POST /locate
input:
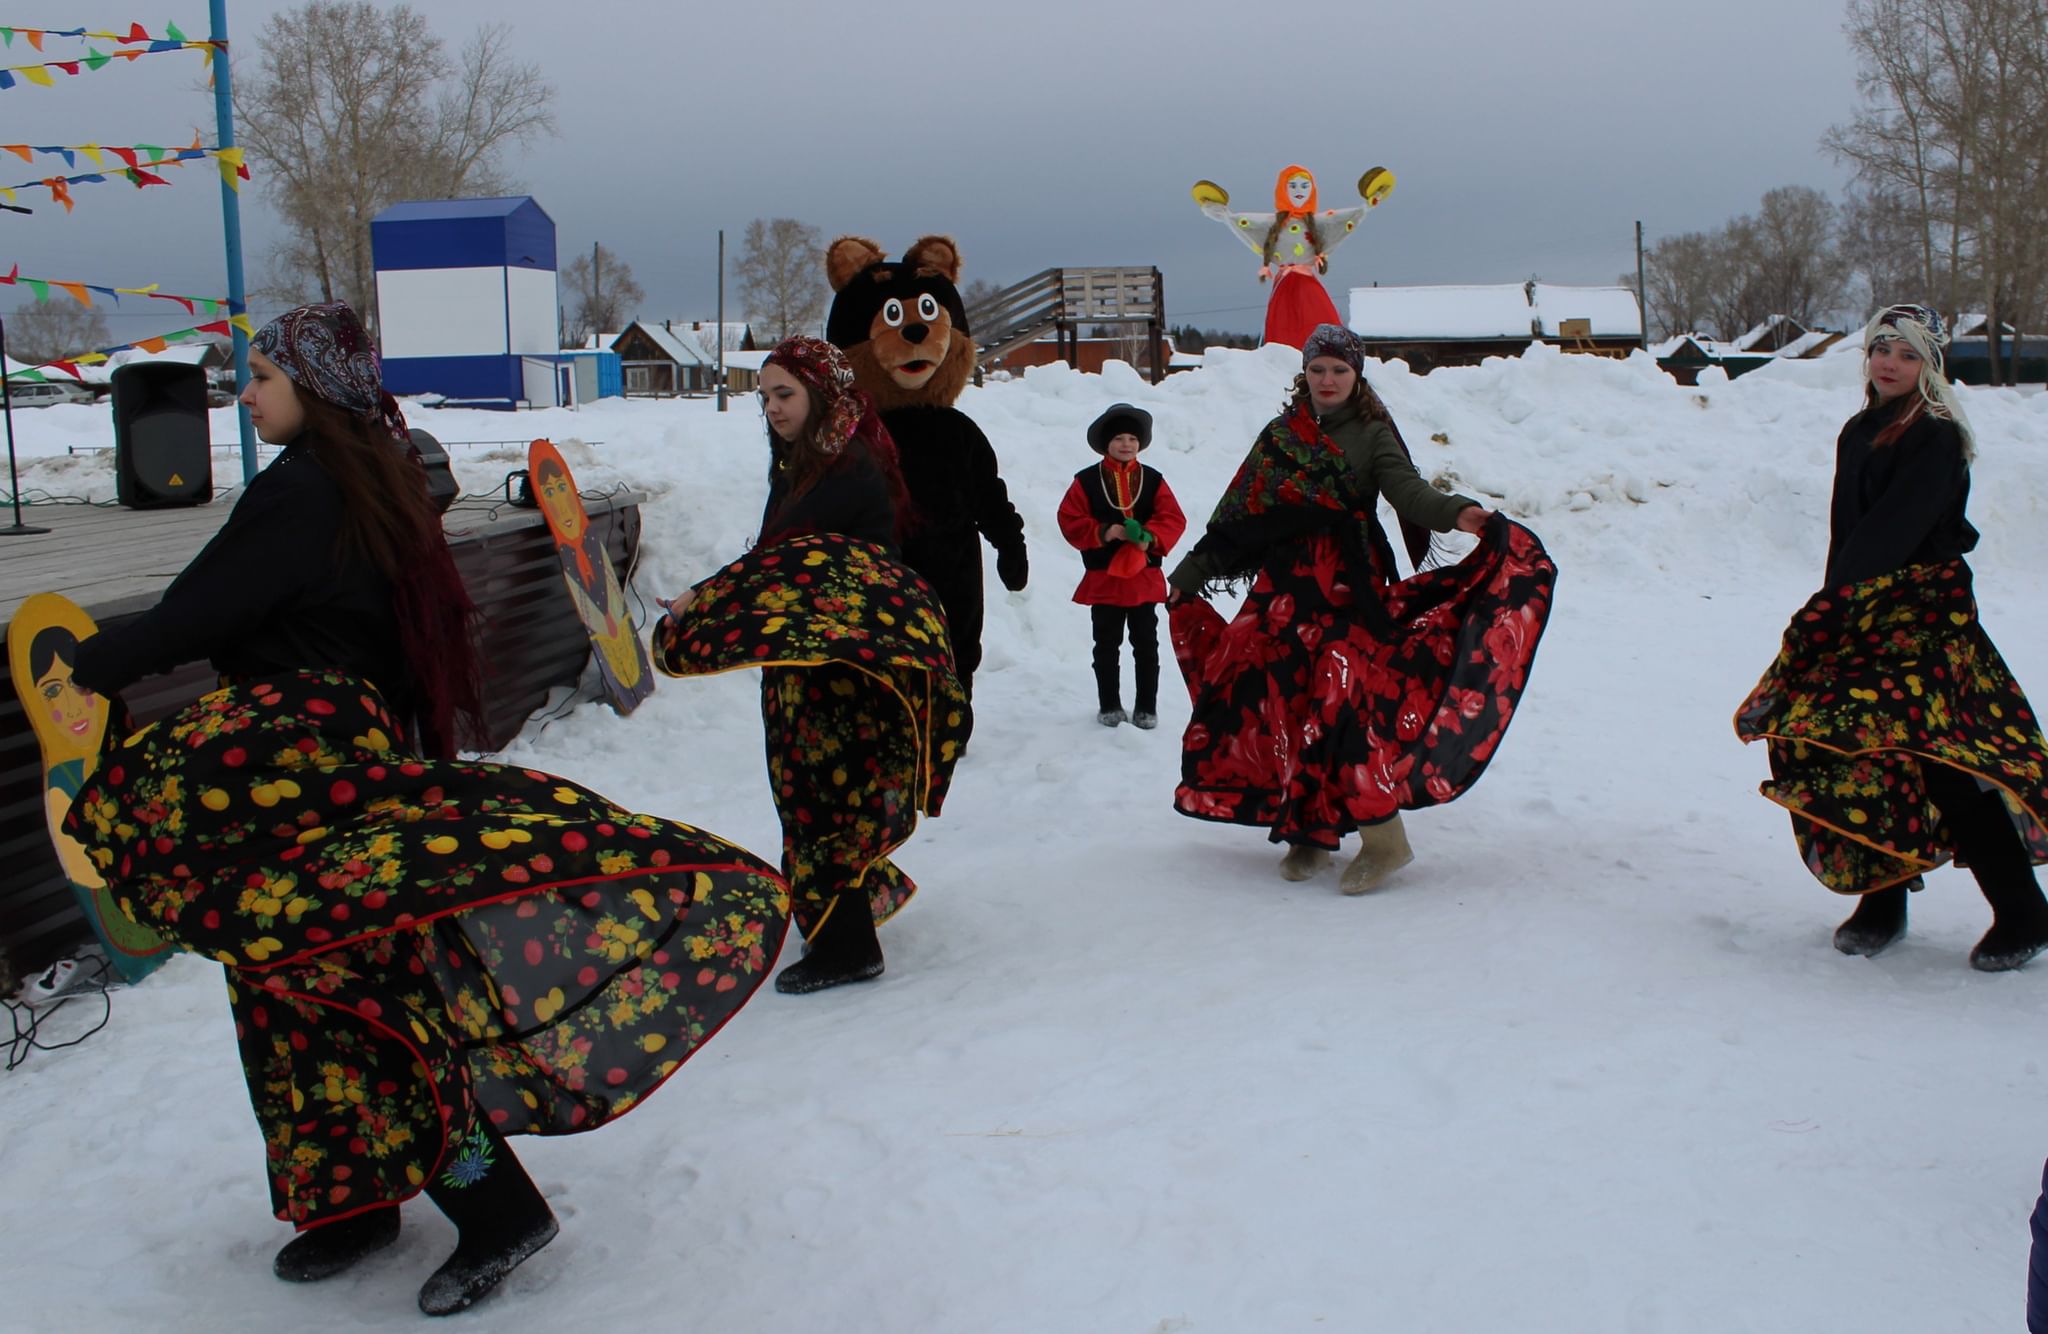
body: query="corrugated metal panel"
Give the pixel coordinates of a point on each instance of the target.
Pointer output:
(532, 642)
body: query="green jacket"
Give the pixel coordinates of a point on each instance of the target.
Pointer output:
(1379, 467)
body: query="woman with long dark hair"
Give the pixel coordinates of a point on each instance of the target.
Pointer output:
(424, 955)
(1337, 697)
(863, 714)
(1898, 739)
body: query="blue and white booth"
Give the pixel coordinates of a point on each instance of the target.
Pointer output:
(466, 300)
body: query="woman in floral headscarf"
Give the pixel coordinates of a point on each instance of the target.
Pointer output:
(424, 956)
(863, 713)
(1340, 695)
(1898, 739)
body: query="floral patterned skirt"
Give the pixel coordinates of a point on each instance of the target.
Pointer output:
(1874, 681)
(410, 944)
(1309, 725)
(863, 714)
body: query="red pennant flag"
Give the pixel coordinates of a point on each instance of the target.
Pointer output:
(69, 368)
(68, 66)
(219, 327)
(136, 34)
(127, 155)
(12, 274)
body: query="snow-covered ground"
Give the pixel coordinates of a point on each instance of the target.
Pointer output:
(1588, 1065)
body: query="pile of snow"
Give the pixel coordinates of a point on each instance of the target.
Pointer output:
(1589, 1064)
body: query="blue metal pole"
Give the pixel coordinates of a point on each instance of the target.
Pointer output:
(231, 226)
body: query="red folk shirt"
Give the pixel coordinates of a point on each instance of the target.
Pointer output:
(1101, 495)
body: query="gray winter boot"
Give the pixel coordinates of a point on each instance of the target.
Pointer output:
(1382, 850)
(1302, 862)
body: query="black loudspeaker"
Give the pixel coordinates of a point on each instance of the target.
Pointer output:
(162, 453)
(441, 484)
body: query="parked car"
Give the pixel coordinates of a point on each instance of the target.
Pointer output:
(47, 392)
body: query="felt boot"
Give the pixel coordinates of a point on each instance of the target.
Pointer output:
(1303, 862)
(2019, 922)
(327, 1250)
(843, 948)
(1382, 850)
(1879, 919)
(500, 1219)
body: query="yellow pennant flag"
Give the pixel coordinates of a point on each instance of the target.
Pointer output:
(36, 74)
(92, 151)
(242, 322)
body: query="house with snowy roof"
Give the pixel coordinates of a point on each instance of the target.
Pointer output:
(662, 359)
(1462, 324)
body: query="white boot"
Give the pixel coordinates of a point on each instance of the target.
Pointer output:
(1382, 850)
(1302, 862)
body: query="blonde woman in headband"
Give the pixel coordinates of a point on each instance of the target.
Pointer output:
(1898, 740)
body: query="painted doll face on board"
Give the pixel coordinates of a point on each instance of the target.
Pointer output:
(274, 407)
(64, 709)
(1122, 447)
(563, 506)
(1893, 367)
(1301, 187)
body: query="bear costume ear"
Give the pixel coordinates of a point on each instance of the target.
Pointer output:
(935, 255)
(846, 257)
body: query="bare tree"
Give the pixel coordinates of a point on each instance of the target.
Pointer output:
(353, 108)
(1955, 94)
(1795, 262)
(1688, 277)
(598, 295)
(781, 270)
(52, 329)
(709, 336)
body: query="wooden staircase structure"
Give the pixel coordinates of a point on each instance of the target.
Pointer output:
(1061, 302)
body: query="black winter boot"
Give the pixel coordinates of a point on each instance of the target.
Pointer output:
(843, 949)
(1879, 919)
(1986, 838)
(500, 1218)
(327, 1250)
(2019, 922)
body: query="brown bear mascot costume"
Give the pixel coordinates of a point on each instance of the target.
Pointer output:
(902, 325)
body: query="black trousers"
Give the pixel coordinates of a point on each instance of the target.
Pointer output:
(1984, 834)
(1110, 624)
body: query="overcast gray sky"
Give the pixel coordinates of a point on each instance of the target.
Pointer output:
(1526, 138)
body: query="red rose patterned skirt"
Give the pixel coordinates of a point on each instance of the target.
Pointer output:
(1874, 681)
(863, 716)
(1308, 724)
(412, 945)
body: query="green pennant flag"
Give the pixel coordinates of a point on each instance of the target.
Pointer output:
(212, 307)
(171, 31)
(150, 151)
(7, 37)
(95, 59)
(39, 287)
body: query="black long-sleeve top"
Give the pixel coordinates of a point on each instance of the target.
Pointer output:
(1898, 504)
(269, 593)
(851, 498)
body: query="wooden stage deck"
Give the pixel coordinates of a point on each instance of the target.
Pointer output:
(116, 562)
(113, 561)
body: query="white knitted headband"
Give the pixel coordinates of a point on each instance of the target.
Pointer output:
(1921, 329)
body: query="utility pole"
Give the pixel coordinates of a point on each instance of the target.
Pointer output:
(721, 319)
(1642, 293)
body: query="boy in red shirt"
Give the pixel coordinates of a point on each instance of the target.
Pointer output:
(1123, 519)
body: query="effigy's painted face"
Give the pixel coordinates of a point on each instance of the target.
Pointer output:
(1301, 188)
